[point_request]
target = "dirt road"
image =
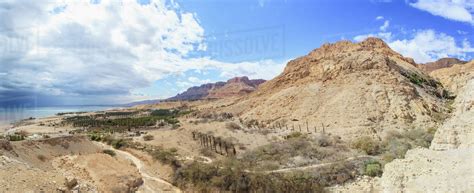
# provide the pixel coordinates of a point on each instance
(150, 183)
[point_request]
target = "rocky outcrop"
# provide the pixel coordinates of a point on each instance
(448, 165)
(425, 170)
(439, 64)
(234, 87)
(350, 89)
(458, 131)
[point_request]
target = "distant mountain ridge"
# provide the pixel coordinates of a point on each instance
(233, 87)
(441, 63)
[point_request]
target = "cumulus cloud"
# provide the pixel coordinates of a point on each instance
(86, 49)
(425, 45)
(379, 18)
(457, 10)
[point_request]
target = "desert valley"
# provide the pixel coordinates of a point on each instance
(346, 117)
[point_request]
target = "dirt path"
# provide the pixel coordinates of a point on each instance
(150, 183)
(311, 166)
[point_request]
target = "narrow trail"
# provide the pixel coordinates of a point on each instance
(148, 180)
(310, 166)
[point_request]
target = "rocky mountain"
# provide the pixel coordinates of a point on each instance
(439, 64)
(237, 86)
(349, 89)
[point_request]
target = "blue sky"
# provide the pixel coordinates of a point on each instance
(54, 54)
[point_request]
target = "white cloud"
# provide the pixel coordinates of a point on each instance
(379, 18)
(461, 32)
(387, 36)
(425, 45)
(385, 25)
(102, 49)
(196, 80)
(458, 10)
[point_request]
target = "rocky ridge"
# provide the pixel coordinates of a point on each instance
(439, 64)
(237, 86)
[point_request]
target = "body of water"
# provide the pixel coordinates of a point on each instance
(10, 115)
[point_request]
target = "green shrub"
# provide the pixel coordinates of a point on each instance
(367, 144)
(15, 137)
(164, 156)
(373, 168)
(163, 112)
(118, 143)
(396, 144)
(109, 152)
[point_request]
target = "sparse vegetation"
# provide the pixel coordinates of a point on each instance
(396, 144)
(230, 176)
(233, 126)
(294, 135)
(5, 145)
(15, 137)
(148, 137)
(109, 152)
(295, 151)
(41, 158)
(165, 156)
(372, 168)
(367, 144)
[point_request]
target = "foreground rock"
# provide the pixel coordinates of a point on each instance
(448, 165)
(425, 170)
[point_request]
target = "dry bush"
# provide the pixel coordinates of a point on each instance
(41, 158)
(368, 145)
(233, 126)
(396, 144)
(148, 137)
(5, 145)
(109, 152)
(207, 152)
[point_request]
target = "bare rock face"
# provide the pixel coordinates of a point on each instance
(350, 89)
(448, 165)
(439, 64)
(425, 170)
(234, 87)
(458, 131)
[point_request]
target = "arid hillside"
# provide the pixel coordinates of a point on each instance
(350, 89)
(455, 77)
